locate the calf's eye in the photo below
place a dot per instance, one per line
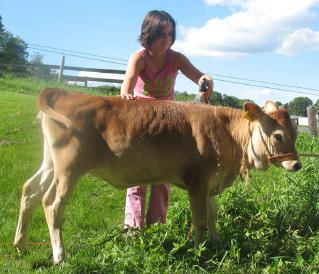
(278, 137)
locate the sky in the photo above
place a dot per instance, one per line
(254, 49)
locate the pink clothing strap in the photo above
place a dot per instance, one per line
(156, 85)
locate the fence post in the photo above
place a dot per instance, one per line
(312, 120)
(61, 69)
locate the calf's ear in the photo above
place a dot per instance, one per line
(252, 112)
(270, 106)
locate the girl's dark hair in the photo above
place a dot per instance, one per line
(153, 27)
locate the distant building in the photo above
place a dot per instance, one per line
(299, 120)
(303, 121)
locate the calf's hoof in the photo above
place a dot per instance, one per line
(20, 247)
(58, 256)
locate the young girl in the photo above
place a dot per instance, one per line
(151, 73)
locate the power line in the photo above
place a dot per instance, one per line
(215, 74)
(79, 52)
(264, 82)
(73, 55)
(273, 88)
(262, 86)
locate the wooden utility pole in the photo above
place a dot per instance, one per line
(60, 79)
(312, 120)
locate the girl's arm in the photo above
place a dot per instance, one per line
(191, 72)
(135, 65)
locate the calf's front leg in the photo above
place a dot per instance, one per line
(212, 218)
(198, 204)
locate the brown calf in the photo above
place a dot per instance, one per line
(197, 147)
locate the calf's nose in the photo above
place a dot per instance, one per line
(297, 166)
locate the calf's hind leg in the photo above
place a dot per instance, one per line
(54, 202)
(32, 193)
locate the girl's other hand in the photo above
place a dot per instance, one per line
(127, 96)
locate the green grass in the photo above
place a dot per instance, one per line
(270, 225)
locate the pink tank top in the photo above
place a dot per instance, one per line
(158, 85)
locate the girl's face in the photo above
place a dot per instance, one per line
(164, 41)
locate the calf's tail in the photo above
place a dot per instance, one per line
(46, 100)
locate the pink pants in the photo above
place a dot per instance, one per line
(135, 205)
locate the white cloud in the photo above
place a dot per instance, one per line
(259, 26)
(299, 41)
(261, 95)
(266, 91)
(258, 95)
(224, 2)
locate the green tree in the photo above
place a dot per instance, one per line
(232, 101)
(184, 96)
(279, 104)
(13, 50)
(216, 99)
(1, 25)
(38, 69)
(108, 90)
(298, 106)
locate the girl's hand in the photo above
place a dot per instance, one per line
(210, 83)
(209, 88)
(127, 96)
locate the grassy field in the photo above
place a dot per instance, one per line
(270, 225)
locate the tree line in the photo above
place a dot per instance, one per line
(13, 51)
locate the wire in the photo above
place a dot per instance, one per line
(80, 52)
(262, 86)
(73, 55)
(273, 88)
(264, 82)
(57, 50)
(215, 74)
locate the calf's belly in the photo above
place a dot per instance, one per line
(131, 174)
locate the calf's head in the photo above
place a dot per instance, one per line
(273, 137)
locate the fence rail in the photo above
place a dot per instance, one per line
(61, 68)
(85, 79)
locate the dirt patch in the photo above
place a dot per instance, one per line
(6, 142)
(15, 130)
